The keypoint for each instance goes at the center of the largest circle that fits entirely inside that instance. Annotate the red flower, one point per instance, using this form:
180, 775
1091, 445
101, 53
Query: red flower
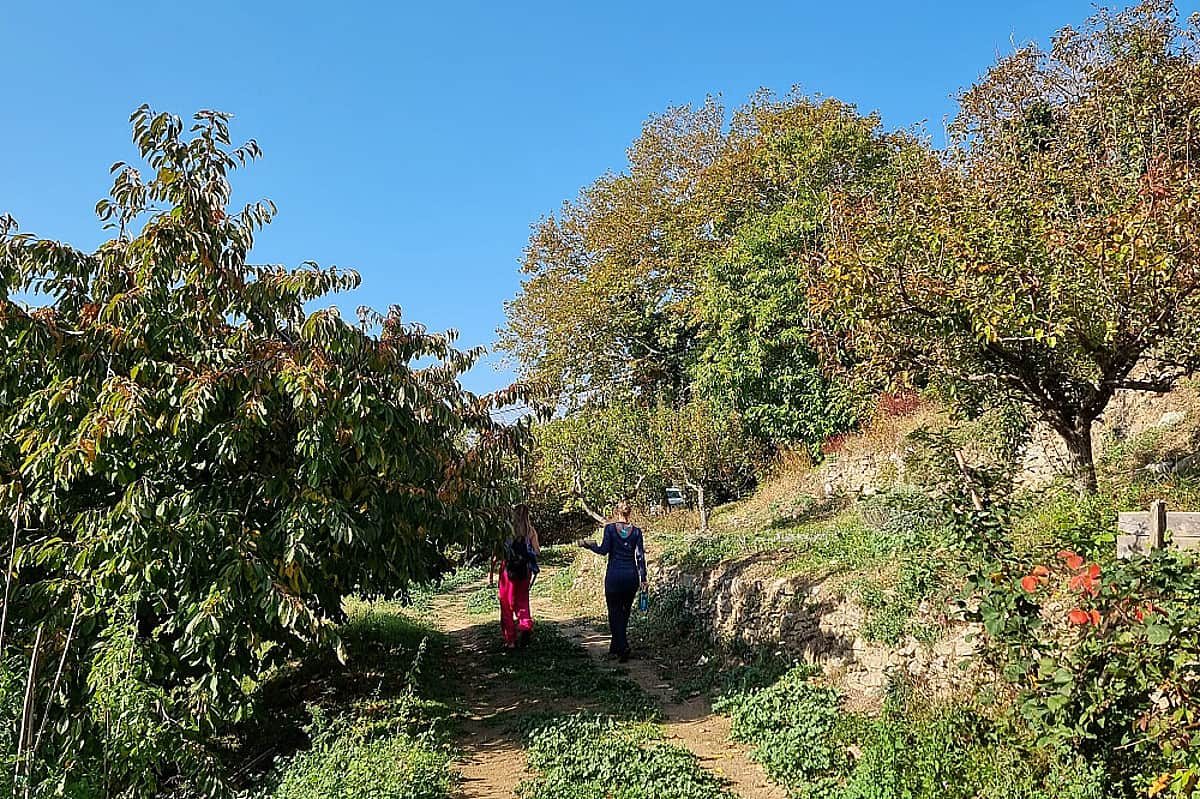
1030, 583
1084, 583
1079, 617
1095, 616
1144, 611
1072, 560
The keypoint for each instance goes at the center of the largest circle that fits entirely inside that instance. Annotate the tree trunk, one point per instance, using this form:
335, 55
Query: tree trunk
1078, 438
703, 508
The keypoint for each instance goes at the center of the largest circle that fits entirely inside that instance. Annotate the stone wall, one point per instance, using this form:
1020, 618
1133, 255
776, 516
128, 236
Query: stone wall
745, 602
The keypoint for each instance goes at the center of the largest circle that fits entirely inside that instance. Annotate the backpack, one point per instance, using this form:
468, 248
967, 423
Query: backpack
516, 559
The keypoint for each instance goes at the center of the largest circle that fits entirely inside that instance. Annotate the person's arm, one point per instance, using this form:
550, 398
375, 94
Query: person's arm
640, 555
604, 545
492, 571
534, 568
533, 539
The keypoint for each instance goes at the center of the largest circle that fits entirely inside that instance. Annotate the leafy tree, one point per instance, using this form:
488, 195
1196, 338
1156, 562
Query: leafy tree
756, 351
195, 470
597, 454
607, 300
705, 447
1051, 253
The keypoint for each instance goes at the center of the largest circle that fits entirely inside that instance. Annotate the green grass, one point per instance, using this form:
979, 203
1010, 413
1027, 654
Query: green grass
483, 601
420, 597
589, 757
378, 726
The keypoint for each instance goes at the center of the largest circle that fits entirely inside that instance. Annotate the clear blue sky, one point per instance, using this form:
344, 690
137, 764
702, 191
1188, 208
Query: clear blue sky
417, 143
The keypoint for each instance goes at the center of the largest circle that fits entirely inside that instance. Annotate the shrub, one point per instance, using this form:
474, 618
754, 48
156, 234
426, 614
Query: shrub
587, 757
791, 727
346, 767
1103, 657
922, 750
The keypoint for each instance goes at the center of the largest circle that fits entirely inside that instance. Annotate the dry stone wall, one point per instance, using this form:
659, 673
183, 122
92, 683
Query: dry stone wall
744, 602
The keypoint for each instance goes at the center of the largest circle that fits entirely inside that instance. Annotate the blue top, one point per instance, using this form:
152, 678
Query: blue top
625, 549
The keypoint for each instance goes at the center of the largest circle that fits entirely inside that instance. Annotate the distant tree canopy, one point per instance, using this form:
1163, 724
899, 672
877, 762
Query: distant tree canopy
615, 447
1051, 253
687, 275
194, 470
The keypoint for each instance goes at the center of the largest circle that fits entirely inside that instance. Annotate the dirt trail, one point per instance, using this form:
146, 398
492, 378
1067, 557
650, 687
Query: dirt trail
690, 724
493, 761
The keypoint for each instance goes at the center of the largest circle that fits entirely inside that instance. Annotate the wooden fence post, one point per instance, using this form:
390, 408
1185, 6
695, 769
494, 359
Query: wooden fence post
1158, 524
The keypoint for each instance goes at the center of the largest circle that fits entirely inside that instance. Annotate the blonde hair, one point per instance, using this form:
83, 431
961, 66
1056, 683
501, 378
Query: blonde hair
522, 527
622, 510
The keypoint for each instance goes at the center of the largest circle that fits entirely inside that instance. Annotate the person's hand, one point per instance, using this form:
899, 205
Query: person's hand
644, 585
582, 542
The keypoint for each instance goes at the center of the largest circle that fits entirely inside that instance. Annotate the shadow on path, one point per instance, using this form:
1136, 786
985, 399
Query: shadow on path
563, 671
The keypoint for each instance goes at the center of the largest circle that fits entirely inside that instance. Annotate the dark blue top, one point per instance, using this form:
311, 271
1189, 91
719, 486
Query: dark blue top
625, 549
520, 548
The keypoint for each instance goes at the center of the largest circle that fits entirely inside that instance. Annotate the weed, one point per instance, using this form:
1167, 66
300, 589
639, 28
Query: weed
585, 757
790, 726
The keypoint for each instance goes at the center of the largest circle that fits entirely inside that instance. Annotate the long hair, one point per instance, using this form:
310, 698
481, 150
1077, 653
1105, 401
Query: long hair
522, 527
622, 510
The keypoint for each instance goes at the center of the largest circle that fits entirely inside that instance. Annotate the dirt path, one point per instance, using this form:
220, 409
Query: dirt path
493, 761
690, 724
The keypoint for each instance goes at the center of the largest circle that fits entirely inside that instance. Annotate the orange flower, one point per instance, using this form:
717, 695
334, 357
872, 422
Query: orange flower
1072, 560
1079, 617
1095, 616
1084, 583
1040, 571
1029, 583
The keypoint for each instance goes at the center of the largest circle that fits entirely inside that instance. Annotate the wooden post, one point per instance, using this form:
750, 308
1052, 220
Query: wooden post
1158, 524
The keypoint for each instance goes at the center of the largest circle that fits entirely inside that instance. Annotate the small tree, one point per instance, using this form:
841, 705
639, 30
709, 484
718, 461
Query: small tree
1052, 252
704, 447
597, 454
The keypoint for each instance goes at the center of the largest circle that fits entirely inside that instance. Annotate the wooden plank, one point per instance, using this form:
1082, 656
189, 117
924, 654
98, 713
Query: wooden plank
1137, 523
1184, 524
1129, 545
1158, 524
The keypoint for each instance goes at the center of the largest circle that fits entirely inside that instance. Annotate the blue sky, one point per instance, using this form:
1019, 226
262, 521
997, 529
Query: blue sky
417, 143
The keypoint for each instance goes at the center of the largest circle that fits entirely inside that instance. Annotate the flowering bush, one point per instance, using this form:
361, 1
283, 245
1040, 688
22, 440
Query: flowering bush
1105, 660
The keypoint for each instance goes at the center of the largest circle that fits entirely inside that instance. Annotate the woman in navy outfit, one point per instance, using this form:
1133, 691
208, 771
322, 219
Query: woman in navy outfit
626, 574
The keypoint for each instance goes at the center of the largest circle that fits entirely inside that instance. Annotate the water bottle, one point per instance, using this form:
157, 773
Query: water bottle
643, 601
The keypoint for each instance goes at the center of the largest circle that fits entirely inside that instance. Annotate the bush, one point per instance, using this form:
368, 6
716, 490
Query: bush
590, 757
919, 750
1103, 658
791, 726
346, 767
